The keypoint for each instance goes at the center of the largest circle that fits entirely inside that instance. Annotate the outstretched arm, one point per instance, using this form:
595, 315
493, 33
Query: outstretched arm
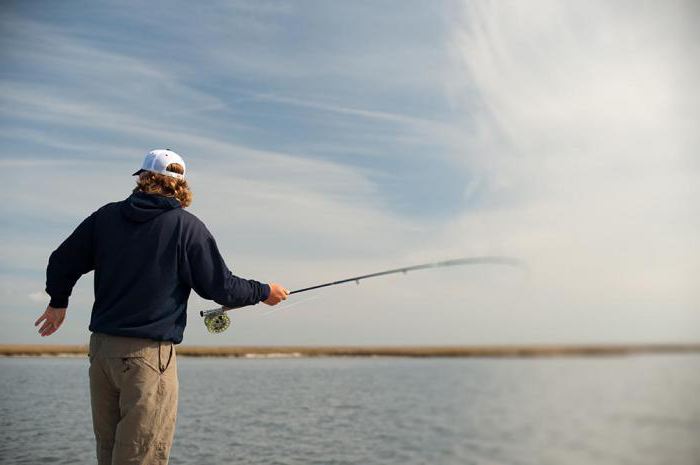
72, 259
203, 268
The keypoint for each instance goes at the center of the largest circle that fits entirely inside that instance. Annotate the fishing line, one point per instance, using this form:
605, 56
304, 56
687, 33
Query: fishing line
287, 306
217, 321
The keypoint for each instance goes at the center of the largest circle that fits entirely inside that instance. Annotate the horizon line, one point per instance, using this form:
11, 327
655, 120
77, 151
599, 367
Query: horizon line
410, 351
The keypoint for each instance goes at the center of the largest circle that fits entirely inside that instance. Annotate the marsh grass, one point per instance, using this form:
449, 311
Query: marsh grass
375, 351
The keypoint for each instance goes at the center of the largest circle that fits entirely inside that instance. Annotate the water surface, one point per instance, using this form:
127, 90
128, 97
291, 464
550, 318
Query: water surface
621, 410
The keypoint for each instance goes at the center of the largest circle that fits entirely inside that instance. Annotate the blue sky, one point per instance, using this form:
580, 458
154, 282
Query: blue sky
327, 139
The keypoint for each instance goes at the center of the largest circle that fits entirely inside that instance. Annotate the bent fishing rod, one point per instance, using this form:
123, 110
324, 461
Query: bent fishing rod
217, 321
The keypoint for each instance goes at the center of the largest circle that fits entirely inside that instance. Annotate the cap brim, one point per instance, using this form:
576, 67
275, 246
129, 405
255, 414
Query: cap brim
138, 172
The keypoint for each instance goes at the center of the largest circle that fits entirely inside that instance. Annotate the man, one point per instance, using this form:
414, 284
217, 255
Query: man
148, 253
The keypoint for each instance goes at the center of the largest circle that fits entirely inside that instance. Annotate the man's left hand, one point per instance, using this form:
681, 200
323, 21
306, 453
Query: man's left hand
52, 318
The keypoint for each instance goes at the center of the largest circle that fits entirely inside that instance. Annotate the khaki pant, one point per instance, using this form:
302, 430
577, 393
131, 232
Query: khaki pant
133, 392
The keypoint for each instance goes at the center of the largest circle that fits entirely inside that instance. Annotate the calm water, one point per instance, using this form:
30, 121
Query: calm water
635, 410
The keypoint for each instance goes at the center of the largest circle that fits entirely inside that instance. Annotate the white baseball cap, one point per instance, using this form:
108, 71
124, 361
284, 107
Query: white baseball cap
158, 160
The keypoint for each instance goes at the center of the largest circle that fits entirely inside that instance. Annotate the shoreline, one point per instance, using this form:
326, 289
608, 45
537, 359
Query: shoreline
496, 351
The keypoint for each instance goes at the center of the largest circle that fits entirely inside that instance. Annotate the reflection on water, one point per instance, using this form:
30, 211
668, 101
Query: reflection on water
626, 410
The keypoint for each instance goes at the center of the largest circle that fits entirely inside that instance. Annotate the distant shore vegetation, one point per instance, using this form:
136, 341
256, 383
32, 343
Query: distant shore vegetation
40, 350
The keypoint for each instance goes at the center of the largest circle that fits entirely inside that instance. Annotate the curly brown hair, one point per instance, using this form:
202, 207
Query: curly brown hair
167, 186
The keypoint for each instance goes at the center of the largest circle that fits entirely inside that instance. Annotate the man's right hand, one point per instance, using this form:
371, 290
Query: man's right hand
52, 318
277, 294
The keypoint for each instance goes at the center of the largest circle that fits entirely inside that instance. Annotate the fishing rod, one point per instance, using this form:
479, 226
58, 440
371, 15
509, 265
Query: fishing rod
217, 321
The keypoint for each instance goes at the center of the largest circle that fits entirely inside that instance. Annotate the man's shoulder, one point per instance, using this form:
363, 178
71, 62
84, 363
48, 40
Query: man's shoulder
189, 220
188, 216
108, 207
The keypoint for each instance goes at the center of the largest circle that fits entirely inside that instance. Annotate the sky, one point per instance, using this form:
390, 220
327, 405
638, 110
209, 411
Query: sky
327, 139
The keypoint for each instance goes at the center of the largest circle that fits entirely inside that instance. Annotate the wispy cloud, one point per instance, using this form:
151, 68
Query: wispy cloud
329, 141
592, 156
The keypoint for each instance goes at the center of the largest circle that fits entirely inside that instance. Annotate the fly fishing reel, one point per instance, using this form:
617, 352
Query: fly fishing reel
216, 320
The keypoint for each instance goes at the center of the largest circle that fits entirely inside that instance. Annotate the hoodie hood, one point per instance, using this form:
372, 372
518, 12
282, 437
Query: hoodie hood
141, 207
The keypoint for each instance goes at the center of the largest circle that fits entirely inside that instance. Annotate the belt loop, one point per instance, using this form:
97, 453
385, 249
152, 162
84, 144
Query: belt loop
160, 360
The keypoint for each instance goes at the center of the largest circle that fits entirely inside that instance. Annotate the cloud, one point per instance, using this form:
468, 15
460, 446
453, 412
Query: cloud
582, 126
338, 141
38, 296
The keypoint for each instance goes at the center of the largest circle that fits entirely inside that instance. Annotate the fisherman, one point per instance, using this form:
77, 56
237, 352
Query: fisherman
148, 253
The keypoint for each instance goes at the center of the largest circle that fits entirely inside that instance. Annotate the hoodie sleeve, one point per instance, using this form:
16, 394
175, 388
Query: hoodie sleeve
72, 259
205, 271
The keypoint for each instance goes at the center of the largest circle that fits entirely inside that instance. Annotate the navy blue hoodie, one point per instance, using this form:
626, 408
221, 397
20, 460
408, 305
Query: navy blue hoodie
147, 253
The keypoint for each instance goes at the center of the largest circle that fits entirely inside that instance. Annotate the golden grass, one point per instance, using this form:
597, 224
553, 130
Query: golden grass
376, 351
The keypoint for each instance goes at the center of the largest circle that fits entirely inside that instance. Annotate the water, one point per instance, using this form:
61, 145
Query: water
627, 410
